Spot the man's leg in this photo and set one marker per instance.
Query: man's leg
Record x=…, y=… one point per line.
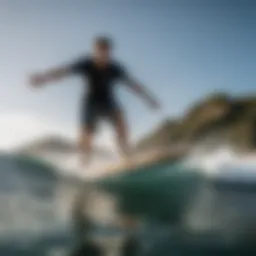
x=85, y=145
x=88, y=122
x=122, y=134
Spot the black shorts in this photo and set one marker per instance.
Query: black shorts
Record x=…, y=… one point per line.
x=94, y=110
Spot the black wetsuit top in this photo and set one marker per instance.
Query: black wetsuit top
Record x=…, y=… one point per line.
x=100, y=80
x=100, y=99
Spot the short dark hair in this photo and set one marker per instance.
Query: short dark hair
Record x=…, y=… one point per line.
x=103, y=41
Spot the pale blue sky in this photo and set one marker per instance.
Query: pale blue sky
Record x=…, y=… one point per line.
x=181, y=50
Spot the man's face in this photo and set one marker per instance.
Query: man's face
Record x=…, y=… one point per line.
x=102, y=52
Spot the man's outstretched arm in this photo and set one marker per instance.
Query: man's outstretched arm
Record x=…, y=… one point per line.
x=56, y=74
x=143, y=93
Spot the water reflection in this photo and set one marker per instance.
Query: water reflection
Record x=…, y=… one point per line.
x=157, y=211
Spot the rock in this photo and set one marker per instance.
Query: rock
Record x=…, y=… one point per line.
x=219, y=118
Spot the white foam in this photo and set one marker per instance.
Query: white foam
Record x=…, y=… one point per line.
x=222, y=160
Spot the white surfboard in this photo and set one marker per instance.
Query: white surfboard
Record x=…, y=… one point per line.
x=132, y=164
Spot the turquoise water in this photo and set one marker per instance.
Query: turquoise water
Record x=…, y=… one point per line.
x=160, y=192
x=158, y=196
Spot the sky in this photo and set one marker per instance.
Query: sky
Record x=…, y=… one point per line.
x=181, y=50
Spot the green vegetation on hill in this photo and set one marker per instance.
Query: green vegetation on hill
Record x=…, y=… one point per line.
x=218, y=120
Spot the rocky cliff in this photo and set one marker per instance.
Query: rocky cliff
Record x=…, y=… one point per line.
x=214, y=121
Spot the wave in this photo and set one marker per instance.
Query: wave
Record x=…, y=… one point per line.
x=27, y=196
x=223, y=162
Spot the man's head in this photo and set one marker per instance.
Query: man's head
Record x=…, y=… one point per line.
x=102, y=49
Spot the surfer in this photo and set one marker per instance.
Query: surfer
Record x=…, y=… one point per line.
x=101, y=73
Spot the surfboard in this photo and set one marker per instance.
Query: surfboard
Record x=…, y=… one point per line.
x=136, y=163
x=159, y=176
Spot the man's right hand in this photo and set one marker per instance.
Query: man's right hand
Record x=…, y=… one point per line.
x=37, y=80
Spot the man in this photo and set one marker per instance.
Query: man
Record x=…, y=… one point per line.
x=101, y=73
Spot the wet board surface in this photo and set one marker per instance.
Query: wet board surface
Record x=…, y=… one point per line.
x=136, y=164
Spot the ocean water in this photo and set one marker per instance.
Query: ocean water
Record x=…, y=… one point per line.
x=173, y=208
